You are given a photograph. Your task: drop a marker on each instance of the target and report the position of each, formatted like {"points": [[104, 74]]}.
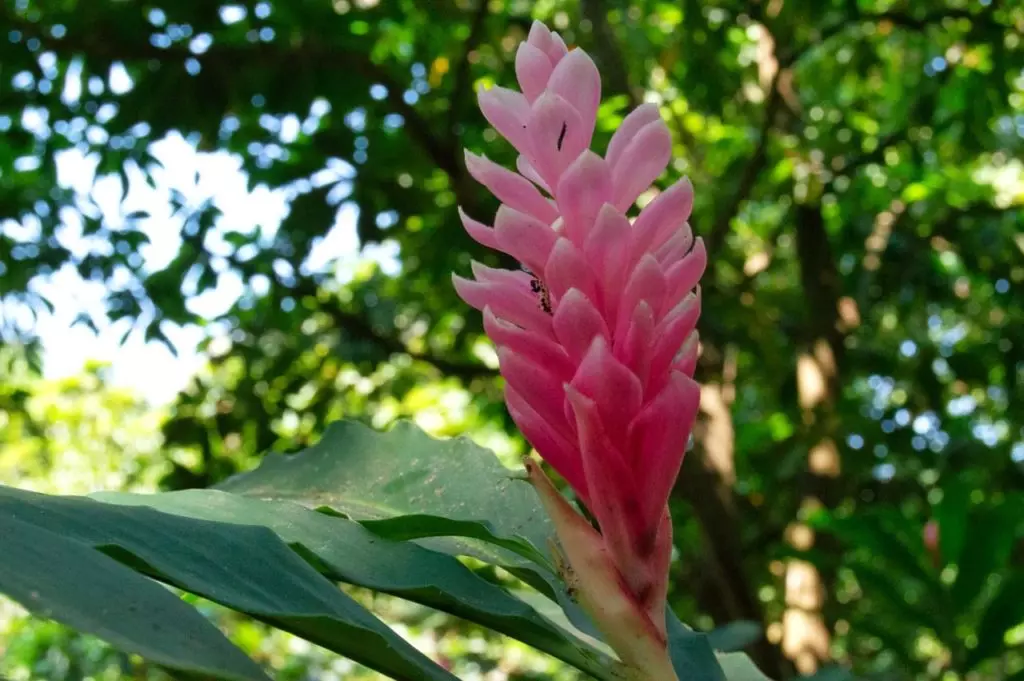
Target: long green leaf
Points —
{"points": [[951, 514], [987, 550], [452, 496], [348, 552], [739, 667], [1004, 612], [445, 487], [405, 484], [889, 591], [692, 655], [874, 531], [246, 568], [65, 580], [735, 636]]}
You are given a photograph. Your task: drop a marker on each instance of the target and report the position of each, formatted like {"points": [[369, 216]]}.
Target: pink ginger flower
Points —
{"points": [[596, 336]]}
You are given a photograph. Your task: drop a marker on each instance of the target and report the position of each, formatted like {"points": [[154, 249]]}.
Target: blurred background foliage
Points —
{"points": [[859, 185]]}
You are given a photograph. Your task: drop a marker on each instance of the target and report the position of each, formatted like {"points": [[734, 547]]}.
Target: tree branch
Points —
{"points": [[461, 78], [607, 51], [357, 325], [305, 55], [295, 56], [899, 19], [758, 160], [820, 279]]}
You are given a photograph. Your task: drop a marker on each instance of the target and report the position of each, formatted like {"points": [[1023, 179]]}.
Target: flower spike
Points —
{"points": [[597, 337]]}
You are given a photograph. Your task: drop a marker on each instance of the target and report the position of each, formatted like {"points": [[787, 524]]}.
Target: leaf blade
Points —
{"points": [[353, 554], [351, 471], [246, 568], [100, 596]]}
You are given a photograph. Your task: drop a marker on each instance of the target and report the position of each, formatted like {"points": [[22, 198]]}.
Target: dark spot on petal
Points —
{"points": [[644, 594], [538, 287], [561, 136], [645, 544]]}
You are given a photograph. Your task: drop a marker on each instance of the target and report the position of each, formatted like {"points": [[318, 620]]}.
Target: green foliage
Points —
{"points": [[972, 589], [738, 667], [244, 567], [692, 656], [55, 576], [406, 485], [735, 636], [267, 557], [345, 551]]}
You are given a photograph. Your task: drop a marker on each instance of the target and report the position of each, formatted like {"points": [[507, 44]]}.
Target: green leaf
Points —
{"points": [[986, 551], [890, 592], [452, 496], [692, 656], [734, 636], [56, 577], [951, 515], [242, 567], [879, 533], [346, 551], [404, 484], [739, 667], [1005, 612]]}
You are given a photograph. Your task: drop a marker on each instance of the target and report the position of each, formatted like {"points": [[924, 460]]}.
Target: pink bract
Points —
{"points": [[596, 337]]}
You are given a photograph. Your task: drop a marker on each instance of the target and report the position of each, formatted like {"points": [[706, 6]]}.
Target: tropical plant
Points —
{"points": [[610, 318], [858, 194]]}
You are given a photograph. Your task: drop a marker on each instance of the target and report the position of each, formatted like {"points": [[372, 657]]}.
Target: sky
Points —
{"points": [[150, 369]]}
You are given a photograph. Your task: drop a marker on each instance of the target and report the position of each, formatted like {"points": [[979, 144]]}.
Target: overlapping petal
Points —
{"points": [[511, 188], [597, 336], [658, 436]]}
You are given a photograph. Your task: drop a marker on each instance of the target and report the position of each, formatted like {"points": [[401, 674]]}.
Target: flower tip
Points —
{"points": [[596, 360], [686, 188], [538, 27], [590, 158], [495, 327], [579, 63], [540, 35], [599, 346], [465, 287], [466, 219], [687, 392], [579, 402], [688, 355]]}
